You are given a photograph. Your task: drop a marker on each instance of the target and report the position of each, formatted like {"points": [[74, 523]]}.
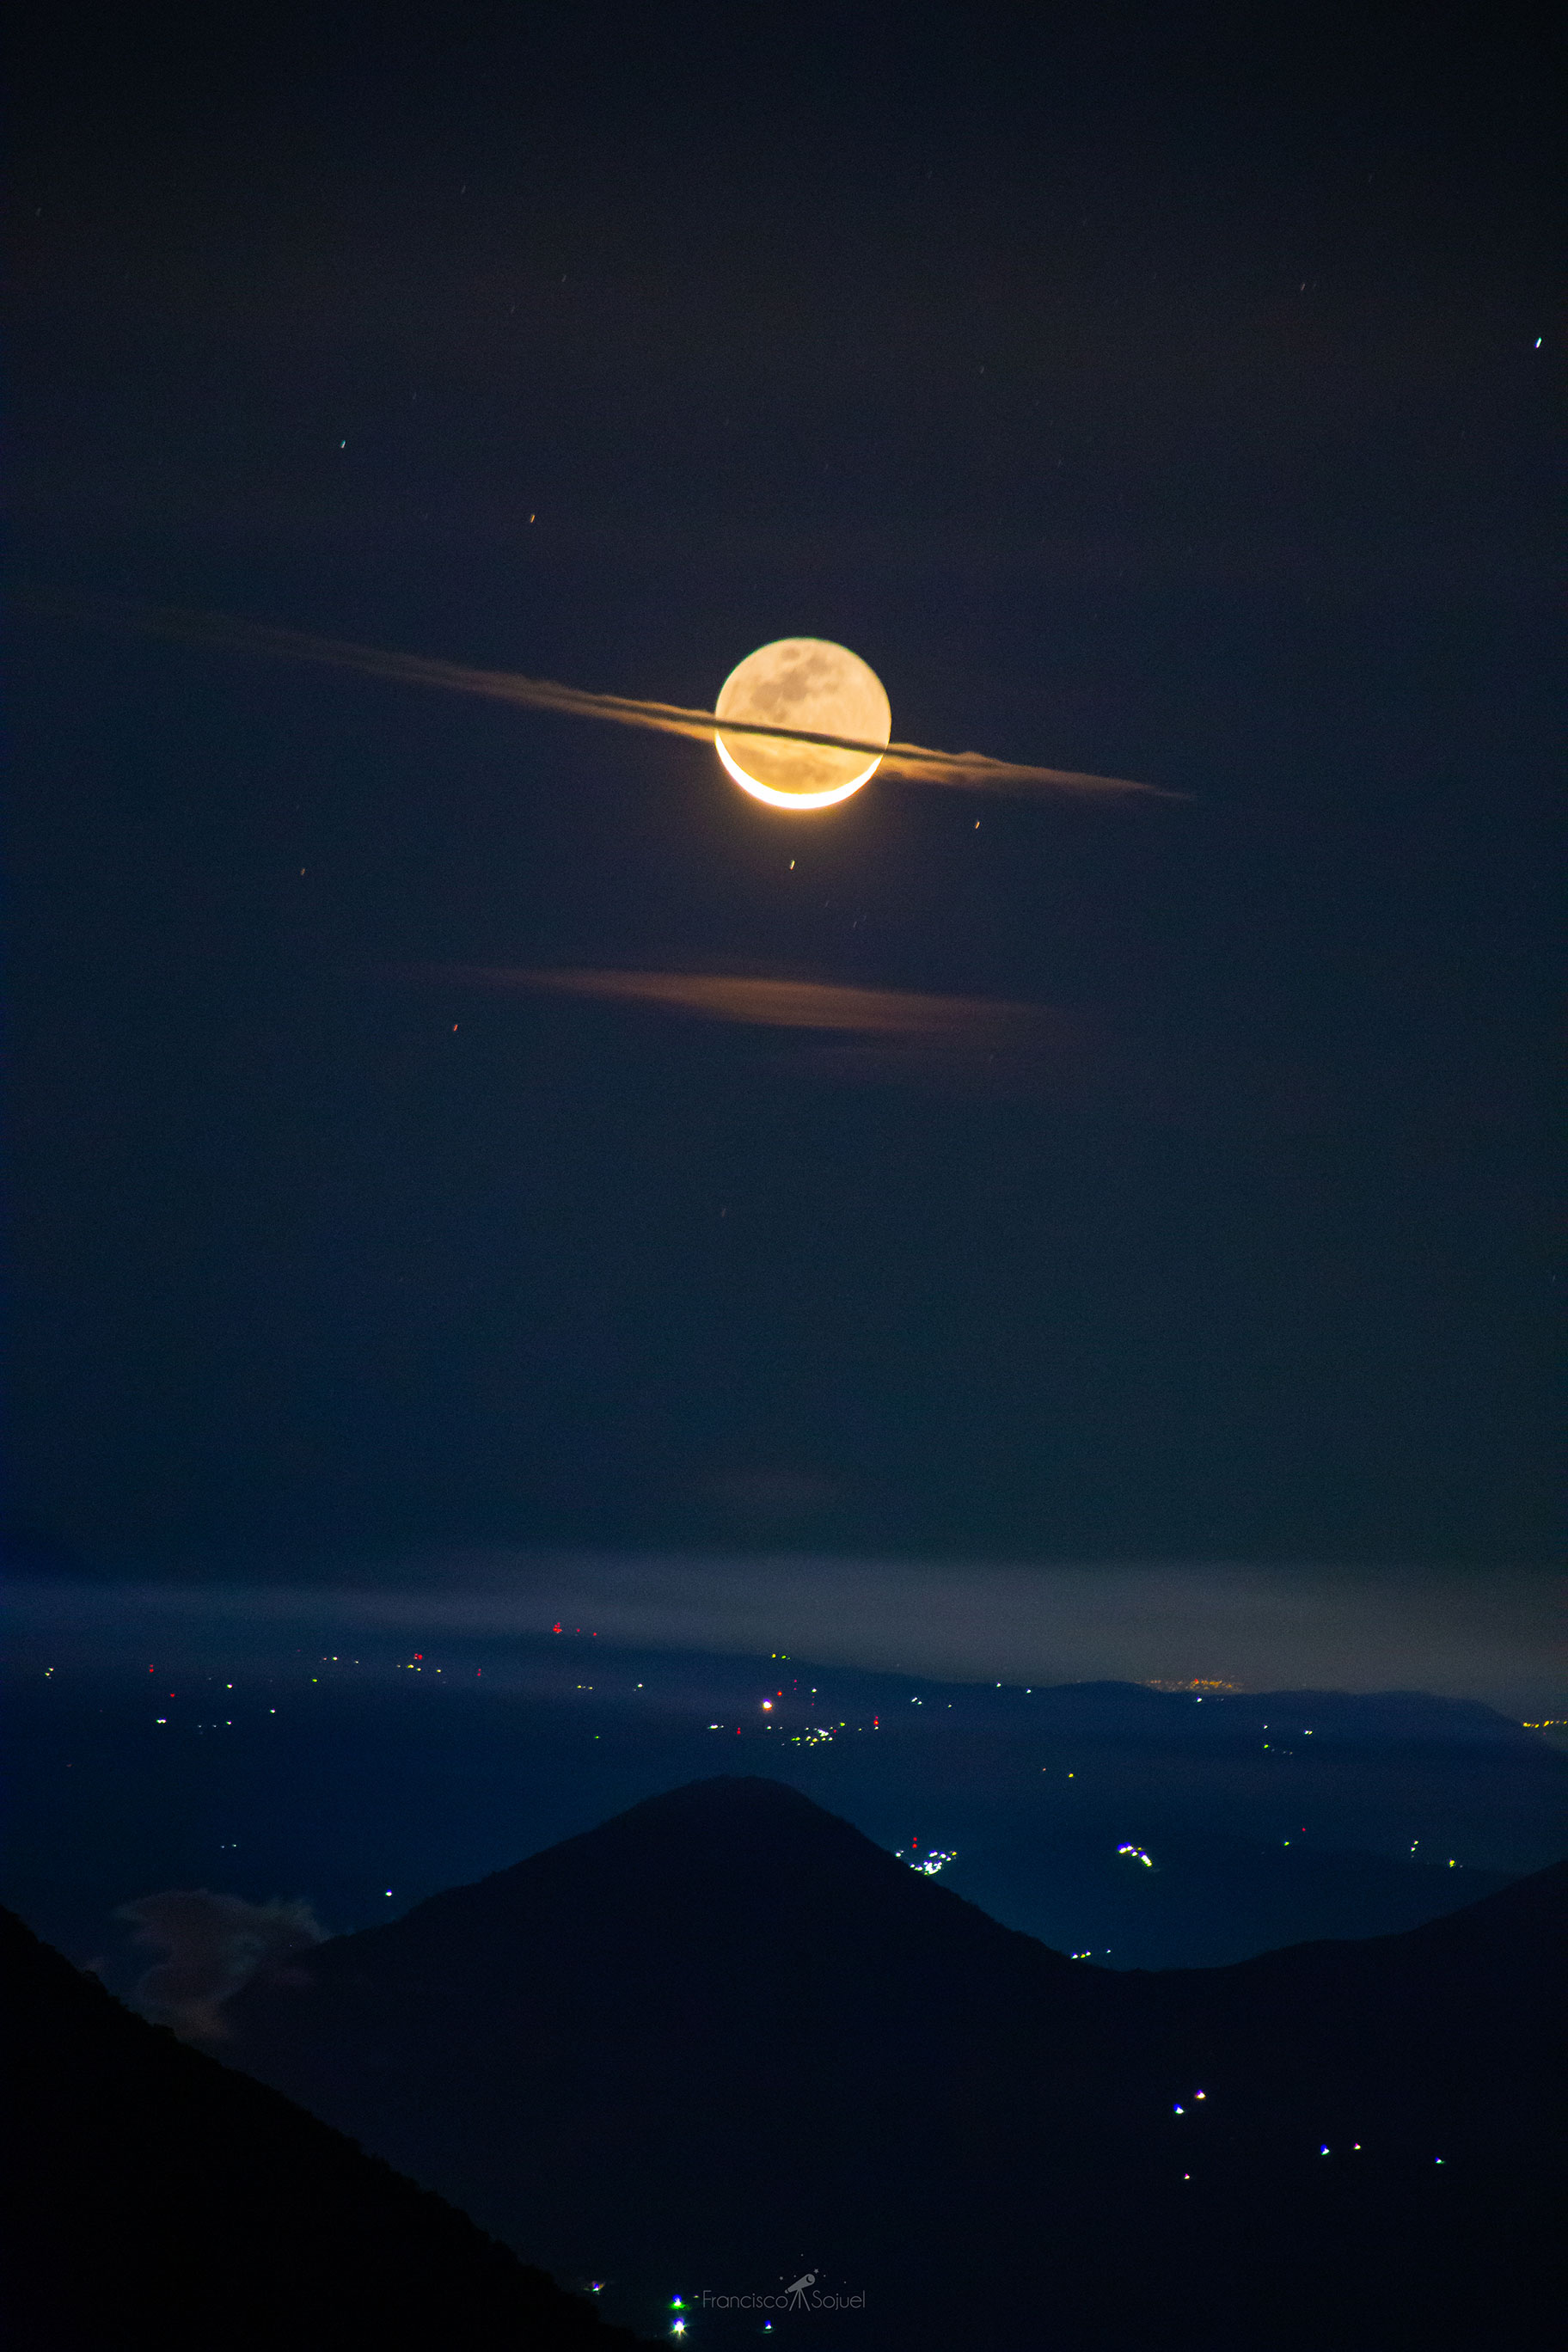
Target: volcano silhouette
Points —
{"points": [[725, 2036]]}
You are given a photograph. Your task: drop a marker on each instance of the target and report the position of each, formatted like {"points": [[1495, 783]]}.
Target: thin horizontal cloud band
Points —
{"points": [[915, 762], [778, 1003]]}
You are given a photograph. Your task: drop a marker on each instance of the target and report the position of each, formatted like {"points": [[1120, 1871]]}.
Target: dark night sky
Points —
{"points": [[1163, 392]]}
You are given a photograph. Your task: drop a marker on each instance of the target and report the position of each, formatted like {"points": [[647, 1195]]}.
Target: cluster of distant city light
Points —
{"points": [[814, 1735], [931, 1861], [1178, 2108], [1196, 1683]]}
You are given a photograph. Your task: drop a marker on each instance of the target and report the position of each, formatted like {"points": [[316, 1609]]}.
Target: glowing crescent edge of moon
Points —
{"points": [[775, 799]]}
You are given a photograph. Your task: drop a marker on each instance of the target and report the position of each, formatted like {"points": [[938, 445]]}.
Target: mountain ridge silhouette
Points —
{"points": [[154, 2195], [725, 2029]]}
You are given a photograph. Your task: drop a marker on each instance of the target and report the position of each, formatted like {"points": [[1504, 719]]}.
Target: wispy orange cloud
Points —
{"points": [[913, 761], [781, 1004], [871, 1034]]}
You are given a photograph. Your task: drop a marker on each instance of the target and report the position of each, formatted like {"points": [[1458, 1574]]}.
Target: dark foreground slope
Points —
{"points": [[155, 2197], [724, 2039]]}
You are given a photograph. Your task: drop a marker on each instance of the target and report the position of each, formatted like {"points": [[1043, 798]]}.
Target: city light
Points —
{"points": [[932, 1861]]}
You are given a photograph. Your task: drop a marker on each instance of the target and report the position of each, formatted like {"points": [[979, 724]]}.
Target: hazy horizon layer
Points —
{"points": [[357, 1749], [1497, 1641]]}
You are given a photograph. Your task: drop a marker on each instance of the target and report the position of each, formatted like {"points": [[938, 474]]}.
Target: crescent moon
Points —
{"points": [[819, 688]]}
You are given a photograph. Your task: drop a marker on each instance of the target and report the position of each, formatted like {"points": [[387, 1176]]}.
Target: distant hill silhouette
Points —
{"points": [[156, 2198], [724, 2038]]}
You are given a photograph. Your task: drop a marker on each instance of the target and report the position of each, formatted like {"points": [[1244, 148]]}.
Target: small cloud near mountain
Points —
{"points": [[211, 1946]]}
